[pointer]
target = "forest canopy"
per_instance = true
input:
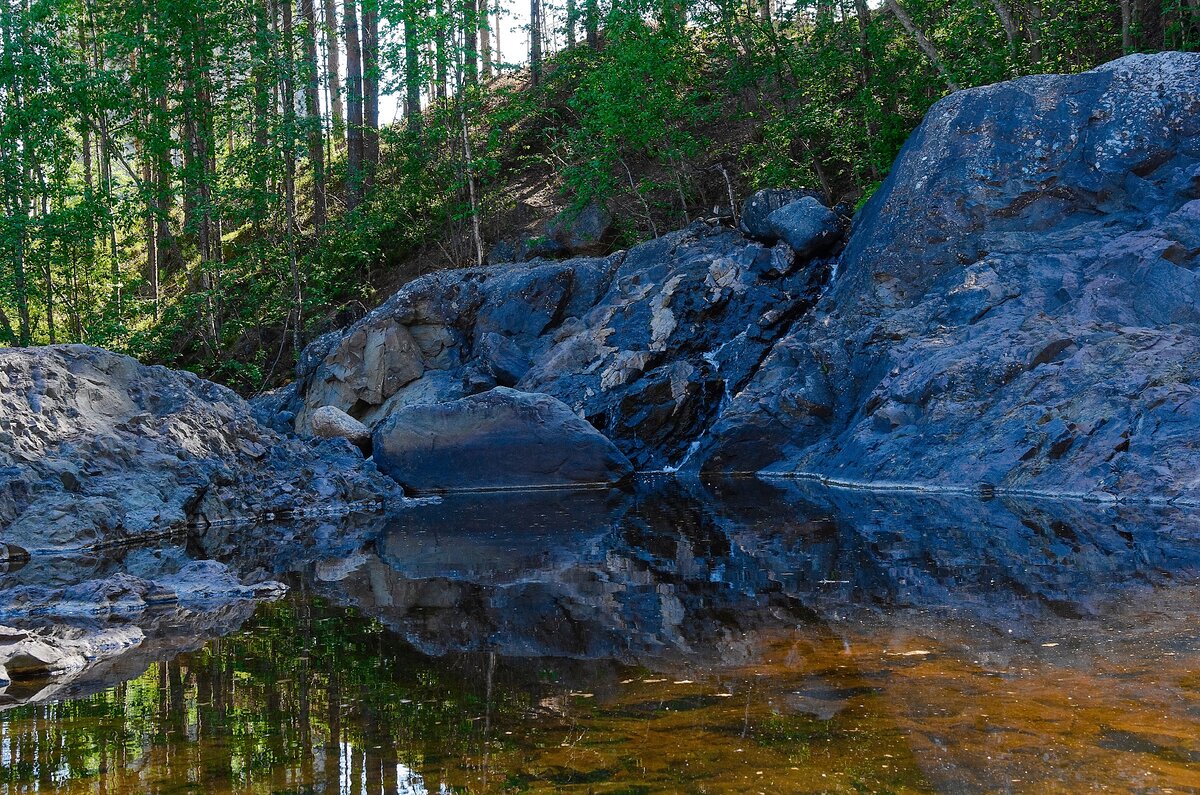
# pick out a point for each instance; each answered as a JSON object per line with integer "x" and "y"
{"x": 207, "y": 183}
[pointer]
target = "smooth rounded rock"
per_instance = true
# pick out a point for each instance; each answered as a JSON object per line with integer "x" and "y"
{"x": 808, "y": 226}
{"x": 756, "y": 211}
{"x": 500, "y": 439}
{"x": 330, "y": 422}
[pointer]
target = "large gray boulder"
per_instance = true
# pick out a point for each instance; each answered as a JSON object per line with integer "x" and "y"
{"x": 1018, "y": 306}
{"x": 329, "y": 422}
{"x": 501, "y": 439}
{"x": 96, "y": 448}
{"x": 647, "y": 345}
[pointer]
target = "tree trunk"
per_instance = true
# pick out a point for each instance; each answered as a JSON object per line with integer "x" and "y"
{"x": 535, "y": 42}
{"x": 1010, "y": 26}
{"x": 485, "y": 40}
{"x": 497, "y": 56}
{"x": 370, "y": 53}
{"x": 470, "y": 42}
{"x": 863, "y": 14}
{"x": 922, "y": 41}
{"x": 1127, "y": 14}
{"x": 591, "y": 22}
{"x": 288, "y": 90}
{"x": 571, "y": 14}
{"x": 412, "y": 67}
{"x": 1035, "y": 31}
{"x": 312, "y": 110}
{"x": 333, "y": 68}
{"x": 442, "y": 65}
{"x": 354, "y": 107}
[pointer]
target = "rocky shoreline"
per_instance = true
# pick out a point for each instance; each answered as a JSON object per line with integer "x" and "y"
{"x": 1015, "y": 311}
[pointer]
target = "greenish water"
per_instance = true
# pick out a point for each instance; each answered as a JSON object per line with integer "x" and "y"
{"x": 676, "y": 646}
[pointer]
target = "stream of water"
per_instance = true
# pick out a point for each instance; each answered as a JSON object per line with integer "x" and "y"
{"x": 742, "y": 638}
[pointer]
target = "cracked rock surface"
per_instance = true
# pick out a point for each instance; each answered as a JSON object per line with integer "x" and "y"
{"x": 96, "y": 449}
{"x": 1018, "y": 304}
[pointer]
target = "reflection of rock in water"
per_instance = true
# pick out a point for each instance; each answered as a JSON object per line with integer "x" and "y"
{"x": 78, "y": 660}
{"x": 672, "y": 573}
{"x": 669, "y": 575}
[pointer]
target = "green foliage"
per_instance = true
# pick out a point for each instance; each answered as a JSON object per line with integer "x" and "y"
{"x": 158, "y": 194}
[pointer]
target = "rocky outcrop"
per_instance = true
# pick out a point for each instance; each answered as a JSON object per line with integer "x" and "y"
{"x": 500, "y": 439}
{"x": 645, "y": 344}
{"x": 1016, "y": 309}
{"x": 96, "y": 448}
{"x": 1018, "y": 306}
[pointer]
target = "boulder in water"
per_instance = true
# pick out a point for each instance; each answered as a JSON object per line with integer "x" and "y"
{"x": 1018, "y": 305}
{"x": 500, "y": 439}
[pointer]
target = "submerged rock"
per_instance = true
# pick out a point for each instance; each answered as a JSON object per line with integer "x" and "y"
{"x": 1018, "y": 306}
{"x": 501, "y": 439}
{"x": 96, "y": 448}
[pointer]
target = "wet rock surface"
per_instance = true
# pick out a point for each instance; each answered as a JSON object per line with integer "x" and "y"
{"x": 1017, "y": 306}
{"x": 96, "y": 449}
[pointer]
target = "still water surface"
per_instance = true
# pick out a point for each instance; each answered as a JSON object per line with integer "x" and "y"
{"x": 746, "y": 638}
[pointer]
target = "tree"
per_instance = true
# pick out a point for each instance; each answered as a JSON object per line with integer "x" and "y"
{"x": 535, "y": 41}
{"x": 333, "y": 70}
{"x": 354, "y": 106}
{"x": 312, "y": 109}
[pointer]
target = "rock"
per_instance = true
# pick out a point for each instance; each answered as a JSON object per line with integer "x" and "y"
{"x": 570, "y": 233}
{"x": 101, "y": 449}
{"x": 504, "y": 361}
{"x": 330, "y": 422}
{"x": 1018, "y": 304}
{"x": 33, "y": 657}
{"x": 125, "y": 596}
{"x": 12, "y": 557}
{"x": 500, "y": 439}
{"x": 645, "y": 344}
{"x": 756, "y": 211}
{"x": 582, "y": 231}
{"x": 808, "y": 226}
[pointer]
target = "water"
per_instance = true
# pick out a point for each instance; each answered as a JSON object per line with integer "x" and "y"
{"x": 769, "y": 639}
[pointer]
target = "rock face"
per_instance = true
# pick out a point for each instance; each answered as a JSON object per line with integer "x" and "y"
{"x": 1019, "y": 303}
{"x": 1018, "y": 308}
{"x": 501, "y": 439}
{"x": 645, "y": 344}
{"x": 96, "y": 448}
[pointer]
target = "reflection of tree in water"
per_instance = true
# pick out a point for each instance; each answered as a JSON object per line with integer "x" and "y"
{"x": 470, "y": 626}
{"x": 304, "y": 693}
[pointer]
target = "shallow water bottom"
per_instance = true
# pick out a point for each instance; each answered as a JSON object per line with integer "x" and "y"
{"x": 793, "y": 646}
